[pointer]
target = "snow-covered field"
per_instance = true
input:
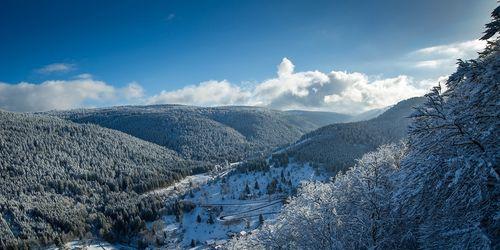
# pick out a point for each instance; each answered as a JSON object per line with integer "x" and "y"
{"x": 189, "y": 182}
{"x": 93, "y": 244}
{"x": 233, "y": 205}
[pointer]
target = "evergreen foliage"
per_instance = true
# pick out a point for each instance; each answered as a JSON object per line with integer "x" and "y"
{"x": 212, "y": 134}
{"x": 62, "y": 180}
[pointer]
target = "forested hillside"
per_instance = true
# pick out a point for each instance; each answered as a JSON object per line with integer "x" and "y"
{"x": 312, "y": 120}
{"x": 438, "y": 190}
{"x": 367, "y": 115}
{"x": 337, "y": 146}
{"x": 61, "y": 180}
{"x": 207, "y": 134}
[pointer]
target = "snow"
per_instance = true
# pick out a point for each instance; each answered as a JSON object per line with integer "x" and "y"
{"x": 181, "y": 187}
{"x": 93, "y": 244}
{"x": 184, "y": 184}
{"x": 296, "y": 144}
{"x": 234, "y": 210}
{"x": 222, "y": 195}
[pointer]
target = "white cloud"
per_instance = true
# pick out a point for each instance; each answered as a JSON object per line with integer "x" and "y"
{"x": 431, "y": 64}
{"x": 364, "y": 94}
{"x": 301, "y": 87}
{"x": 56, "y": 68}
{"x": 132, "y": 91}
{"x": 335, "y": 91}
{"x": 445, "y": 56}
{"x": 51, "y": 95}
{"x": 83, "y": 76}
{"x": 285, "y": 68}
{"x": 455, "y": 50}
{"x": 347, "y": 92}
{"x": 210, "y": 93}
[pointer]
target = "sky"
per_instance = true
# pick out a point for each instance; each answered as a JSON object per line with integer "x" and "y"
{"x": 342, "y": 56}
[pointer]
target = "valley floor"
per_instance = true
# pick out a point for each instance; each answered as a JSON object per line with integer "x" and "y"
{"x": 218, "y": 206}
{"x": 234, "y": 205}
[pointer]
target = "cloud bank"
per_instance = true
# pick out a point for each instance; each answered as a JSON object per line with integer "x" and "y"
{"x": 210, "y": 93}
{"x": 311, "y": 90}
{"x": 339, "y": 91}
{"x": 52, "y": 95}
{"x": 437, "y": 57}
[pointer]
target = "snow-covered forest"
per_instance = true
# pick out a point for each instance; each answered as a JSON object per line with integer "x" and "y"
{"x": 61, "y": 180}
{"x": 422, "y": 173}
{"x": 216, "y": 135}
{"x": 438, "y": 189}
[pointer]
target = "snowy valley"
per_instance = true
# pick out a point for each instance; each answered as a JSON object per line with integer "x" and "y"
{"x": 369, "y": 163}
{"x": 205, "y": 211}
{"x": 232, "y": 205}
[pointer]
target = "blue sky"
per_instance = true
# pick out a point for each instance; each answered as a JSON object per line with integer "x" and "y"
{"x": 187, "y": 48}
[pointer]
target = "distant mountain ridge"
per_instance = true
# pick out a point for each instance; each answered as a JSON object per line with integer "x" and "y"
{"x": 336, "y": 146}
{"x": 212, "y": 134}
{"x": 370, "y": 114}
{"x": 316, "y": 119}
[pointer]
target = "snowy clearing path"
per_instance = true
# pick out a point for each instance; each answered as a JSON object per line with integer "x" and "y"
{"x": 256, "y": 202}
{"x": 229, "y": 216}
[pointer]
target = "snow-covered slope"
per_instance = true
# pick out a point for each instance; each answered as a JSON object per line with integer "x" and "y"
{"x": 226, "y": 205}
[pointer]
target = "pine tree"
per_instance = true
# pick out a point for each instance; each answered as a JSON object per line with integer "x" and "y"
{"x": 247, "y": 189}
{"x": 494, "y": 26}
{"x": 210, "y": 220}
{"x": 261, "y": 219}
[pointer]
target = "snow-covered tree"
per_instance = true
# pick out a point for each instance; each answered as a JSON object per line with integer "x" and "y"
{"x": 493, "y": 27}
{"x": 441, "y": 190}
{"x": 450, "y": 186}
{"x": 363, "y": 199}
{"x": 352, "y": 212}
